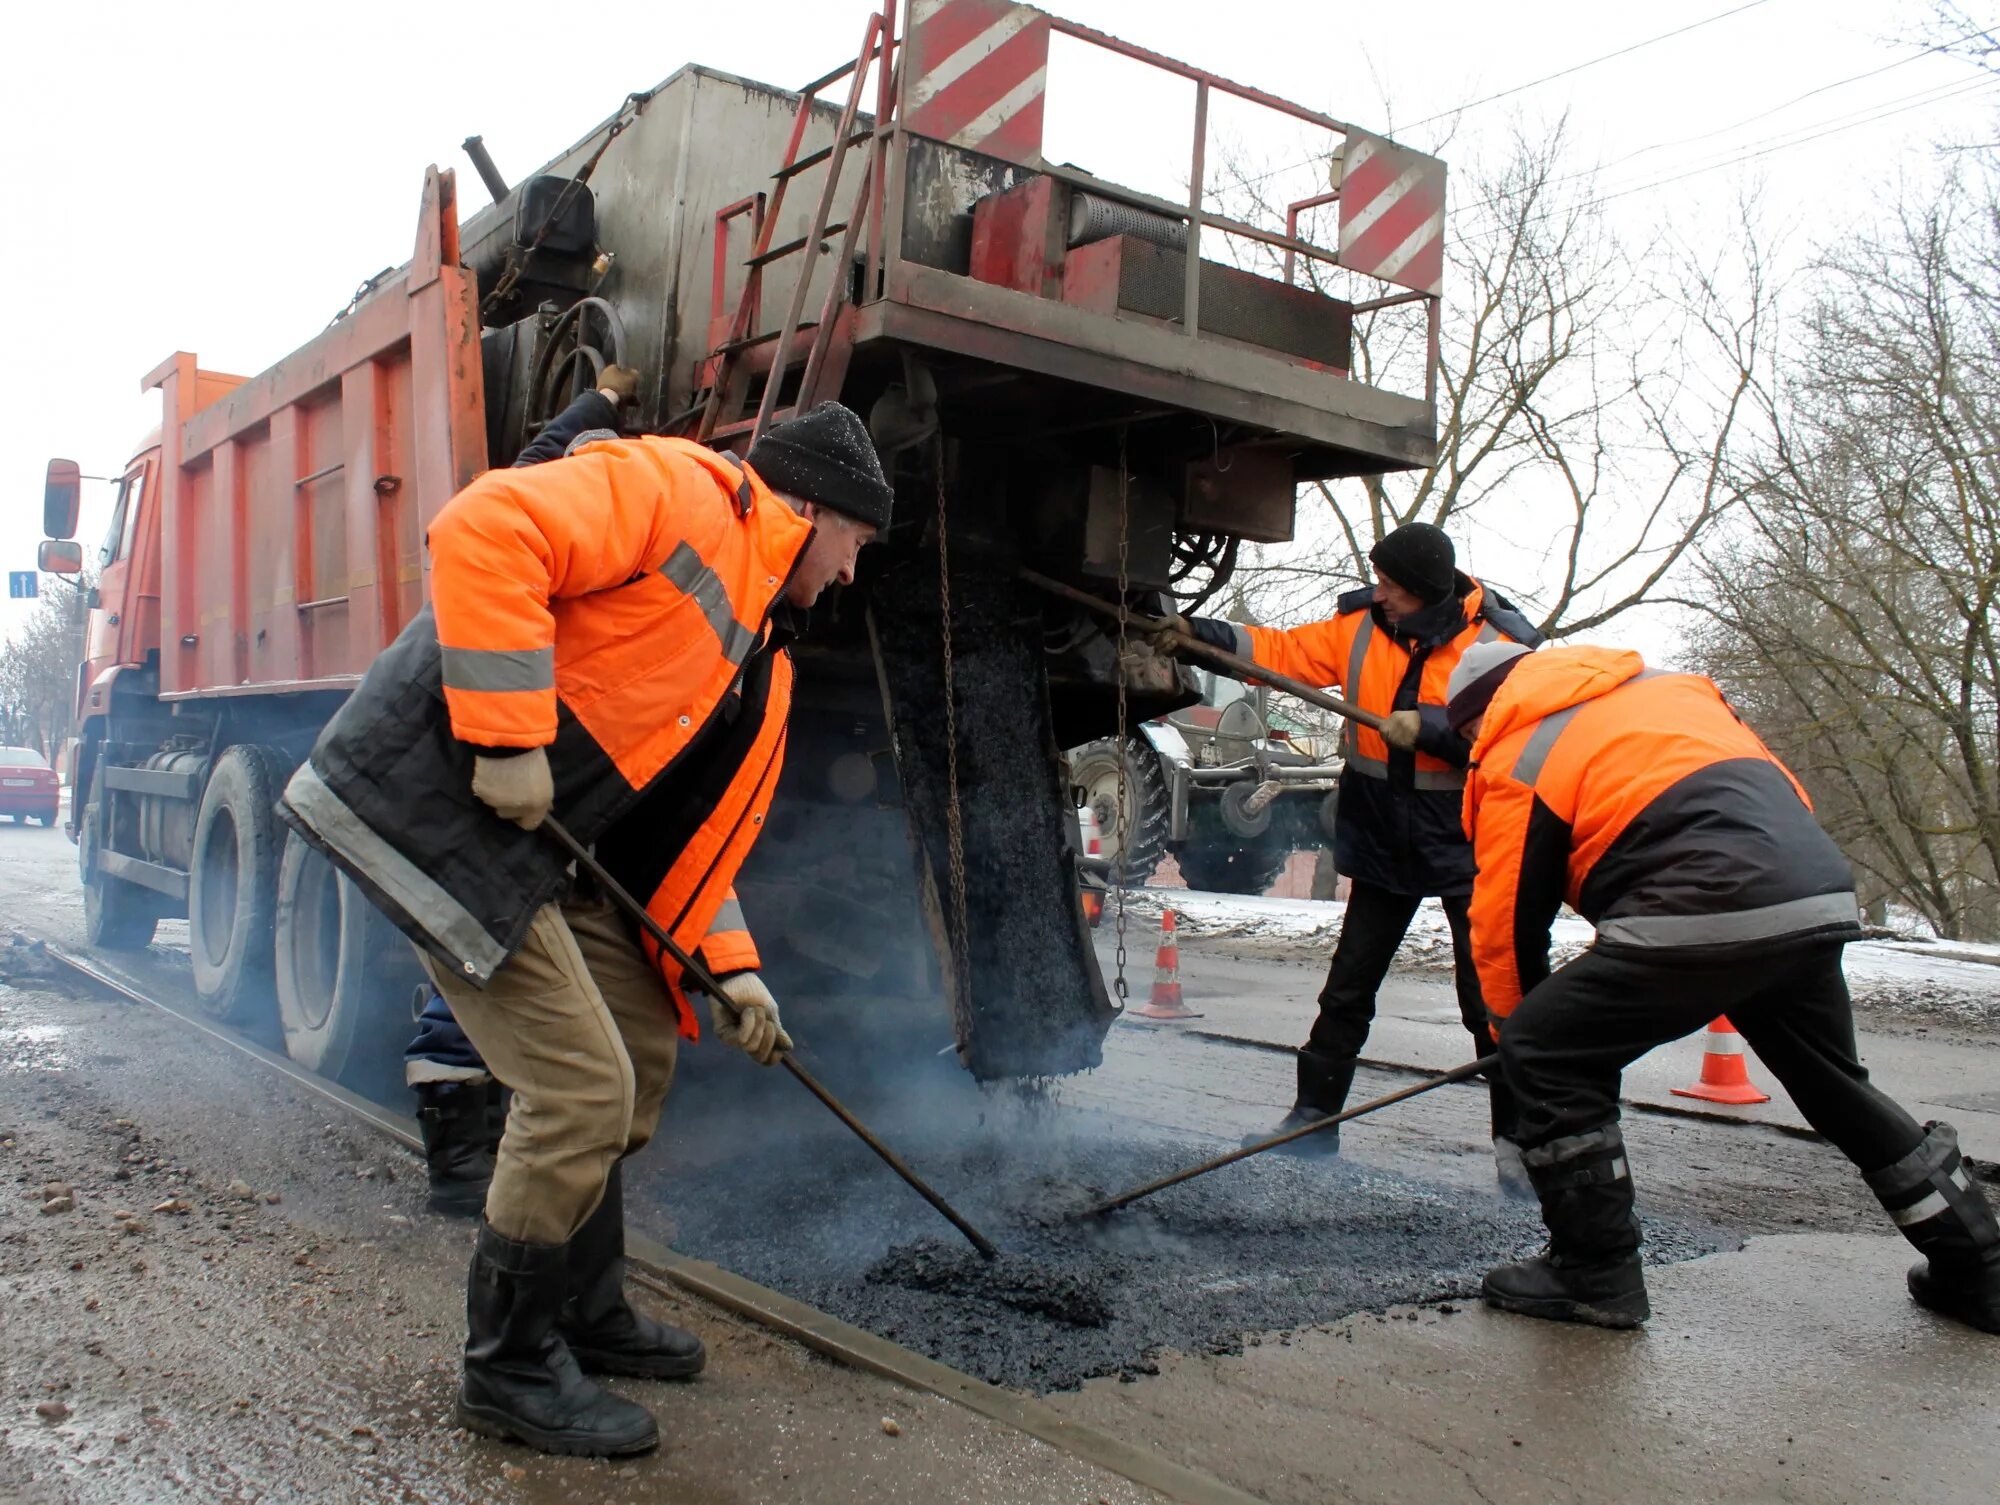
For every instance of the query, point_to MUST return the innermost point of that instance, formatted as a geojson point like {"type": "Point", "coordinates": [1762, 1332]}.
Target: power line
{"type": "Point", "coordinates": [1549, 78]}
{"type": "Point", "coordinates": [1853, 78]}
{"type": "Point", "coordinates": [1534, 83]}
{"type": "Point", "coordinates": [1831, 130]}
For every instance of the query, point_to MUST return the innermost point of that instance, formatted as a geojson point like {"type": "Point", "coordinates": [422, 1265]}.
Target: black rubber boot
{"type": "Point", "coordinates": [521, 1381]}
{"type": "Point", "coordinates": [1949, 1220]}
{"type": "Point", "coordinates": [455, 1118]}
{"type": "Point", "coordinates": [1591, 1271]}
{"type": "Point", "coordinates": [598, 1323]}
{"type": "Point", "coordinates": [1323, 1084]}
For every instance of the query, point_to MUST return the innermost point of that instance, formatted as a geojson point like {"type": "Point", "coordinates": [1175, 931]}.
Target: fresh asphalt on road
{"type": "Point", "coordinates": [1793, 1369]}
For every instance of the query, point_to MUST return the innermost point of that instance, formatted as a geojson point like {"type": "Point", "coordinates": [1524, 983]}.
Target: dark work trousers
{"type": "Point", "coordinates": [1566, 1046]}
{"type": "Point", "coordinates": [1374, 926]}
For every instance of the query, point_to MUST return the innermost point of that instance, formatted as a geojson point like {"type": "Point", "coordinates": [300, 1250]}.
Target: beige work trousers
{"type": "Point", "coordinates": [578, 1023]}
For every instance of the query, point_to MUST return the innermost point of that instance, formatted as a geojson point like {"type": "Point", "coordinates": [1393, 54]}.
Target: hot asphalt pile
{"type": "Point", "coordinates": [1271, 1244]}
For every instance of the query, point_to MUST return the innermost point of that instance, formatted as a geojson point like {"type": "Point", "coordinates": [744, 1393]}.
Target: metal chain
{"type": "Point", "coordinates": [954, 820]}
{"type": "Point", "coordinates": [1125, 812]}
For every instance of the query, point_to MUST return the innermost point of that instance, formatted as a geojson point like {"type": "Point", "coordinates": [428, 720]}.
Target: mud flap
{"type": "Point", "coordinates": [1037, 1004]}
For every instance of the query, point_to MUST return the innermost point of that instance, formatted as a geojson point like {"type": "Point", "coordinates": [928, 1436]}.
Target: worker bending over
{"type": "Point", "coordinates": [1642, 801]}
{"type": "Point", "coordinates": [1397, 838]}
{"type": "Point", "coordinates": [458, 1102]}
{"type": "Point", "coordinates": [606, 642]}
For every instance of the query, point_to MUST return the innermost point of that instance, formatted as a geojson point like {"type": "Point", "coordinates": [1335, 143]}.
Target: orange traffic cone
{"type": "Point", "coordinates": [1165, 1002]}
{"type": "Point", "coordinates": [1093, 898]}
{"type": "Point", "coordinates": [1724, 1076]}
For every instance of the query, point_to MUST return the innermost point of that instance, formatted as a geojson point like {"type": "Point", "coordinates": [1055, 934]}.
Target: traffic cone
{"type": "Point", "coordinates": [1165, 1002]}
{"type": "Point", "coordinates": [1093, 898]}
{"type": "Point", "coordinates": [1725, 1078]}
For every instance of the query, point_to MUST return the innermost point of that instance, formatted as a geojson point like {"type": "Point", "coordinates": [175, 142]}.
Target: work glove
{"type": "Point", "coordinates": [520, 788]}
{"type": "Point", "coordinates": [1170, 636]}
{"type": "Point", "coordinates": [753, 1025]}
{"type": "Point", "coordinates": [1400, 730]}
{"type": "Point", "coordinates": [619, 383]}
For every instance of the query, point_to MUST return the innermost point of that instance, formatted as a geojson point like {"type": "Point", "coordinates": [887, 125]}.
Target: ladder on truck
{"type": "Point", "coordinates": [735, 360]}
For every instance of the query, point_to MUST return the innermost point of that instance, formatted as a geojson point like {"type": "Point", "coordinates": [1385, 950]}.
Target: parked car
{"type": "Point", "coordinates": [28, 786]}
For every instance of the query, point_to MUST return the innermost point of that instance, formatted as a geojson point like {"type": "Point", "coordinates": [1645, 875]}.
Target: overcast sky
{"type": "Point", "coordinates": [219, 177]}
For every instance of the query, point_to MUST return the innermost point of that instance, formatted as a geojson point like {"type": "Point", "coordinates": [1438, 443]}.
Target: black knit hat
{"type": "Point", "coordinates": [825, 457]}
{"type": "Point", "coordinates": [1418, 557]}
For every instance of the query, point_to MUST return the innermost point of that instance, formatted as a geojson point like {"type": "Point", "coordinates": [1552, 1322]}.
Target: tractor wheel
{"type": "Point", "coordinates": [233, 890]}
{"type": "Point", "coordinates": [1093, 773]}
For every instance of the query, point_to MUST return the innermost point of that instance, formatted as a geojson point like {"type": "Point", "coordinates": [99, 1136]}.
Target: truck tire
{"type": "Point", "coordinates": [345, 976]}
{"type": "Point", "coordinates": [117, 915]}
{"type": "Point", "coordinates": [1224, 869]}
{"type": "Point", "coordinates": [1093, 771]}
{"type": "Point", "coordinates": [233, 889]}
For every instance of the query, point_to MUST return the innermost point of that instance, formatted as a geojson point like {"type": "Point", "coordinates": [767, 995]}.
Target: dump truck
{"type": "Point", "coordinates": [1060, 373]}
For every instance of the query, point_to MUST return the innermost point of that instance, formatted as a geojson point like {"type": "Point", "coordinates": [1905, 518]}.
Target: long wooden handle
{"type": "Point", "coordinates": [1232, 664]}
{"type": "Point", "coordinates": [1456, 1074]}
{"type": "Point", "coordinates": [706, 981]}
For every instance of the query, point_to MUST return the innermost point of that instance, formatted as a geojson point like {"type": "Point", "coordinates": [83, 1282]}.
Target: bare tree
{"type": "Point", "coordinates": [1850, 606]}
{"type": "Point", "coordinates": [1587, 392]}
{"type": "Point", "coordinates": [38, 669]}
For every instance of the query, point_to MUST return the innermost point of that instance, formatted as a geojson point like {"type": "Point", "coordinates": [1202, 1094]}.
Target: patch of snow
{"type": "Point", "coordinates": [1955, 979]}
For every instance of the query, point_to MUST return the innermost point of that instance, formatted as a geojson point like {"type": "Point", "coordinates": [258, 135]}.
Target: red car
{"type": "Point", "coordinates": [27, 786]}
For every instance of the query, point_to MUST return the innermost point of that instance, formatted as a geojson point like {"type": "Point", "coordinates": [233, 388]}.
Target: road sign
{"type": "Point", "coordinates": [22, 584]}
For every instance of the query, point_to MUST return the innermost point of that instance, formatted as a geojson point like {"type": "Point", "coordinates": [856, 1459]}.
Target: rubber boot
{"type": "Point", "coordinates": [1590, 1271]}
{"type": "Point", "coordinates": [598, 1322]}
{"type": "Point", "coordinates": [1951, 1223]}
{"type": "Point", "coordinates": [455, 1118]}
{"type": "Point", "coordinates": [521, 1381]}
{"type": "Point", "coordinates": [1323, 1084]}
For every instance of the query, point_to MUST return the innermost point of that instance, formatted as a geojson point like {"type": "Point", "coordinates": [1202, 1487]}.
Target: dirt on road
{"type": "Point", "coordinates": [212, 1289]}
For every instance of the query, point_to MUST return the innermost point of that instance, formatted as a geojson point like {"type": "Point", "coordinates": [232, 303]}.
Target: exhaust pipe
{"type": "Point", "coordinates": [482, 163]}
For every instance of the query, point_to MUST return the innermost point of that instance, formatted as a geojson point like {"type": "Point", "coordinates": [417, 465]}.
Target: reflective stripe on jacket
{"type": "Point", "coordinates": [1397, 819]}
{"type": "Point", "coordinates": [611, 606]}
{"type": "Point", "coordinates": [1641, 800]}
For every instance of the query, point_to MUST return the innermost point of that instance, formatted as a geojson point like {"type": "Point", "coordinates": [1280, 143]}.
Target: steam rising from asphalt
{"type": "Point", "coordinates": [756, 1176]}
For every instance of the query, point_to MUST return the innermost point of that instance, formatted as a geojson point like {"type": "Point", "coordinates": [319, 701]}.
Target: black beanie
{"type": "Point", "coordinates": [825, 457]}
{"type": "Point", "coordinates": [1418, 557]}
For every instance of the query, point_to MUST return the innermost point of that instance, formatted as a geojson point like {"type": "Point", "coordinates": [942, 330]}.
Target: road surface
{"type": "Point", "coordinates": [306, 1347]}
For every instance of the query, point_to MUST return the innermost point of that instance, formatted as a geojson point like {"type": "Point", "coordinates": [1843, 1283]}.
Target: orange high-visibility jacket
{"type": "Point", "coordinates": [1397, 819]}
{"type": "Point", "coordinates": [614, 607]}
{"type": "Point", "coordinates": [1641, 800]}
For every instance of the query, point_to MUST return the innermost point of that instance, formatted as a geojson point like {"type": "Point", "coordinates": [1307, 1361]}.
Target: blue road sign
{"type": "Point", "coordinates": [22, 584]}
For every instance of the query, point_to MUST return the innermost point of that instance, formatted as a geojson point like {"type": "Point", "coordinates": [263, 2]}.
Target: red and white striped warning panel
{"type": "Point", "coordinates": [1392, 213]}
{"type": "Point", "coordinates": [976, 73]}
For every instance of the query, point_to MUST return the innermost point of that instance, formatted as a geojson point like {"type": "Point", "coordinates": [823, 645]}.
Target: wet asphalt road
{"type": "Point", "coordinates": [1275, 1242]}
{"type": "Point", "coordinates": [1794, 1370]}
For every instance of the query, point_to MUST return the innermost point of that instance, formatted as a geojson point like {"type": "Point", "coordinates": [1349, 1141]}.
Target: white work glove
{"type": "Point", "coordinates": [1400, 728]}
{"type": "Point", "coordinates": [520, 788]}
{"type": "Point", "coordinates": [754, 1025]}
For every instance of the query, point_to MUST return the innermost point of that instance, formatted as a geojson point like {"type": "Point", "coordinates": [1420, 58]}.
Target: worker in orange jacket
{"type": "Point", "coordinates": [606, 642]}
{"type": "Point", "coordinates": [1391, 649]}
{"type": "Point", "coordinates": [1639, 799]}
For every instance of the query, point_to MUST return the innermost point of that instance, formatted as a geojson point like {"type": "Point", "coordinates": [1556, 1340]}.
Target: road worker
{"type": "Point", "coordinates": [1640, 799]}
{"type": "Point", "coordinates": [458, 1102]}
{"type": "Point", "coordinates": [605, 643]}
{"type": "Point", "coordinates": [1390, 649]}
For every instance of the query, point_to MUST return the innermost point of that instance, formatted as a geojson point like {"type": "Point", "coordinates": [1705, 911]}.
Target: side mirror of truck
{"type": "Point", "coordinates": [62, 494]}
{"type": "Point", "coordinates": [61, 556]}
